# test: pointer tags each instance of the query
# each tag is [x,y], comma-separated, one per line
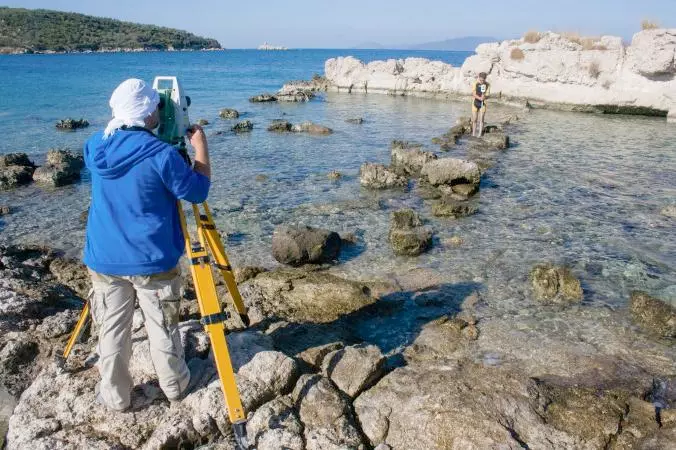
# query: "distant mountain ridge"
[41,30]
[466,43]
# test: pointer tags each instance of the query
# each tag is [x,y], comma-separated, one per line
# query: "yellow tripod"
[213,315]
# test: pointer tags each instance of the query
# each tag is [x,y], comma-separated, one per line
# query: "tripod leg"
[77,332]
[213,320]
[222,262]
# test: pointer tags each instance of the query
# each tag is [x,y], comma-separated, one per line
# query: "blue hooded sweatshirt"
[133,226]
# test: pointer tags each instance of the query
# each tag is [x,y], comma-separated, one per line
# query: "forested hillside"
[43,30]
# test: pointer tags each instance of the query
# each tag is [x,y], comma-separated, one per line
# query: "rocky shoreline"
[551,71]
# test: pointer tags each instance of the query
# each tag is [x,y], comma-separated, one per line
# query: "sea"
[582,190]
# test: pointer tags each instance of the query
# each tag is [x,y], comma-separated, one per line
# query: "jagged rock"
[555,284]
[298,245]
[355,121]
[490,141]
[377,176]
[71,124]
[294,94]
[228,113]
[280,126]
[243,127]
[314,356]
[669,211]
[454,209]
[653,314]
[263,98]
[409,160]
[407,237]
[464,191]
[276,425]
[15,170]
[299,296]
[73,274]
[311,128]
[246,273]
[269,374]
[61,168]
[451,171]
[334,175]
[354,369]
[326,414]
[202,122]
[448,140]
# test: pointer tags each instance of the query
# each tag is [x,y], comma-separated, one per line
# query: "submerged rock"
[409,160]
[228,113]
[15,170]
[377,176]
[71,124]
[263,98]
[451,208]
[355,121]
[62,168]
[298,245]
[555,284]
[202,122]
[243,127]
[653,314]
[280,126]
[669,211]
[407,236]
[5,210]
[311,128]
[451,171]
[490,141]
[334,175]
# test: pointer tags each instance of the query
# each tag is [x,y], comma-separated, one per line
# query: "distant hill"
[41,30]
[467,44]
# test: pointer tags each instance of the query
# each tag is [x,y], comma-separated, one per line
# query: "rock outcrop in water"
[653,314]
[377,176]
[555,284]
[228,113]
[298,245]
[71,124]
[554,72]
[15,170]
[408,236]
[62,167]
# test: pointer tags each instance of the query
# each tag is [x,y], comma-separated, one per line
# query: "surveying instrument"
[203,253]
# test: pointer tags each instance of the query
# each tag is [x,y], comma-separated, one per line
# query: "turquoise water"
[583,190]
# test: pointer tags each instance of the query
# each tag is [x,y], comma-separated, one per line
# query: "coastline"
[20,51]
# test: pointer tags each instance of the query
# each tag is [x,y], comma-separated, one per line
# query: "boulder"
[314,356]
[298,245]
[652,52]
[334,175]
[407,237]
[280,126]
[268,375]
[377,176]
[451,171]
[298,296]
[228,113]
[464,191]
[263,98]
[490,141]
[243,127]
[454,209]
[355,120]
[202,122]
[61,168]
[276,425]
[654,315]
[292,94]
[15,170]
[555,284]
[326,414]
[5,210]
[354,369]
[410,161]
[311,128]
[71,124]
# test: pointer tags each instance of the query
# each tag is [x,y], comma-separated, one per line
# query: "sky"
[348,23]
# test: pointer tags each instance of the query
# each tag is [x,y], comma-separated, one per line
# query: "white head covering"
[132,101]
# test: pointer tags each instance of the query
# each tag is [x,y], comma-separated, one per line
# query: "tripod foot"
[239,428]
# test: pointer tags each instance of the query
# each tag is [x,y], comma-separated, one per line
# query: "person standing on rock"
[134,240]
[480,92]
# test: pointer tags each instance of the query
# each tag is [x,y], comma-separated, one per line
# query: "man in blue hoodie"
[134,239]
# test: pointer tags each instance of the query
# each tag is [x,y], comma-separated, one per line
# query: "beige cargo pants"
[112,306]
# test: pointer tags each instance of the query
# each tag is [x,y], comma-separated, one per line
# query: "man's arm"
[199,142]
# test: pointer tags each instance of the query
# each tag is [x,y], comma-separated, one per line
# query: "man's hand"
[199,142]
[197,137]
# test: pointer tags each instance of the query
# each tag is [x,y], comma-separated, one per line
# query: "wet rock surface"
[407,235]
[451,171]
[228,113]
[61,168]
[311,128]
[15,170]
[298,245]
[409,161]
[263,98]
[377,176]
[71,124]
[653,314]
[555,284]
[243,127]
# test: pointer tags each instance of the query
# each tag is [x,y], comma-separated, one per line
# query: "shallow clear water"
[579,189]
